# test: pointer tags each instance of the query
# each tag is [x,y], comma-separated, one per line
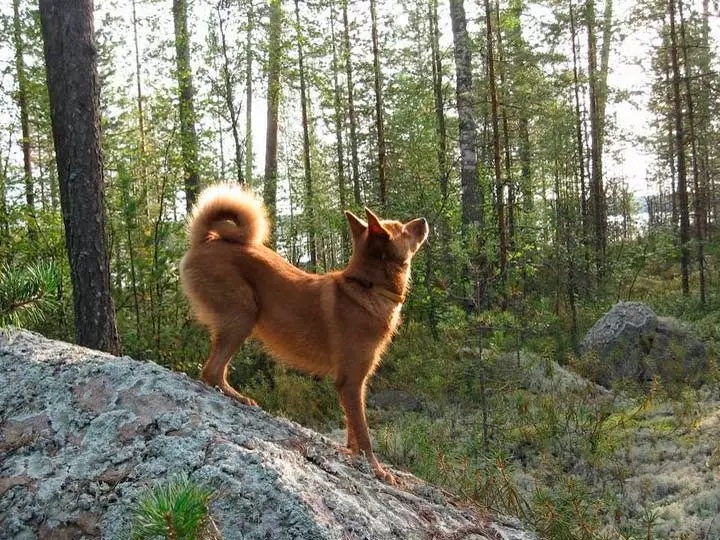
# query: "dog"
[337,324]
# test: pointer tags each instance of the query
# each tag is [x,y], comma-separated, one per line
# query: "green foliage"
[26,294]
[176,509]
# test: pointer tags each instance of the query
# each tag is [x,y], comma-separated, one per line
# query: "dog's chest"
[395,317]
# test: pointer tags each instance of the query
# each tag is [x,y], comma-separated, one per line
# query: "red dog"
[337,324]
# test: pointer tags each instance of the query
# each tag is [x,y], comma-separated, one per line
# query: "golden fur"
[337,324]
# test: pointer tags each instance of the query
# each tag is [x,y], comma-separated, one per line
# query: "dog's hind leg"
[225,342]
[352,397]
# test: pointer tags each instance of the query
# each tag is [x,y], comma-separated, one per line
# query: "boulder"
[83,433]
[631,342]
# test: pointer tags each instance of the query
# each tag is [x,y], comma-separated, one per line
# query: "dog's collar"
[382,291]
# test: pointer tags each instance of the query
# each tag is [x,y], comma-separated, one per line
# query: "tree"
[699,196]
[71,64]
[597,91]
[438,95]
[308,203]
[494,108]
[188,135]
[472,203]
[22,99]
[248,96]
[228,94]
[680,149]
[352,118]
[379,113]
[273,109]
[338,118]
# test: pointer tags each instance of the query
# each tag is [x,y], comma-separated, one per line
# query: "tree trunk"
[351,107]
[141,116]
[308,203]
[698,195]
[24,122]
[248,99]
[524,154]
[704,122]
[680,149]
[585,241]
[4,218]
[379,114]
[472,204]
[604,68]
[671,146]
[339,127]
[596,181]
[494,109]
[507,158]
[273,106]
[71,63]
[229,95]
[188,136]
[439,105]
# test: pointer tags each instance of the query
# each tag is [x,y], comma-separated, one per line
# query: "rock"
[395,400]
[631,342]
[82,433]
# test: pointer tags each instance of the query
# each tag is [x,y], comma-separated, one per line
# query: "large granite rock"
[82,433]
[631,341]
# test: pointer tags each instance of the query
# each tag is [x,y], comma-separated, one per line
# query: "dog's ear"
[357,225]
[418,228]
[374,225]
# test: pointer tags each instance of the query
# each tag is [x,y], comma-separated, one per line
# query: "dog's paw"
[385,476]
[348,452]
[247,401]
[237,396]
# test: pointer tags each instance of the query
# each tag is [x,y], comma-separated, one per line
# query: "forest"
[566,154]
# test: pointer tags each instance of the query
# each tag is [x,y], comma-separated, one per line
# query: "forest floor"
[569,458]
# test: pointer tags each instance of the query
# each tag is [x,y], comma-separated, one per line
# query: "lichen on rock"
[83,433]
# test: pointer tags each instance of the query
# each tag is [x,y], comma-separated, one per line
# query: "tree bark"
[680,149]
[379,114]
[497,167]
[596,181]
[22,100]
[585,241]
[188,135]
[671,146]
[339,127]
[309,203]
[698,195]
[440,127]
[471,198]
[249,158]
[273,107]
[503,223]
[71,63]
[229,95]
[141,115]
[351,107]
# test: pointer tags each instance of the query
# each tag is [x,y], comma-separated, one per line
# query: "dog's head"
[385,240]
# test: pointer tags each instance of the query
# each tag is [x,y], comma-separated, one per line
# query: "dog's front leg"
[352,397]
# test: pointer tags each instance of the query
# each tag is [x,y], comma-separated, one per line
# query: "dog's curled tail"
[229,212]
